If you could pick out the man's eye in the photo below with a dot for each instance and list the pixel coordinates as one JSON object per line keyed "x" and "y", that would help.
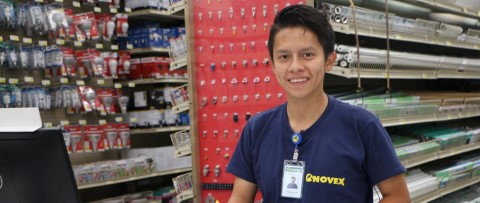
{"x": 308, "y": 55}
{"x": 283, "y": 57}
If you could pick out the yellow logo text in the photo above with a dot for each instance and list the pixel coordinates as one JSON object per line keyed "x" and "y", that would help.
{"x": 310, "y": 178}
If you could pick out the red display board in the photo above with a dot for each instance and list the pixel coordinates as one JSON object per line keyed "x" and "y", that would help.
{"x": 234, "y": 80}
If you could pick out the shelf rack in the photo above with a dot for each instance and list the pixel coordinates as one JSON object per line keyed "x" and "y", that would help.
{"x": 445, "y": 191}
{"x": 402, "y": 74}
{"x": 158, "y": 130}
{"x": 412, "y": 162}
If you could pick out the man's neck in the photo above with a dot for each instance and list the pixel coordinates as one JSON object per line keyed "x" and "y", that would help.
{"x": 304, "y": 113}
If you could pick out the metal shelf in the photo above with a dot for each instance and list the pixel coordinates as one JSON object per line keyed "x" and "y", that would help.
{"x": 149, "y": 50}
{"x": 158, "y": 130}
{"x": 409, "y": 163}
{"x": 445, "y": 191}
{"x": 344, "y": 28}
{"x": 180, "y": 63}
{"x": 451, "y": 8}
{"x": 147, "y": 81}
{"x": 185, "y": 106}
{"x": 174, "y": 12}
{"x": 402, "y": 74}
{"x": 430, "y": 118}
{"x": 150, "y": 175}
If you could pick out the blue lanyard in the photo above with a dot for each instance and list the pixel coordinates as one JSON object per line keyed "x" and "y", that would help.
{"x": 296, "y": 139}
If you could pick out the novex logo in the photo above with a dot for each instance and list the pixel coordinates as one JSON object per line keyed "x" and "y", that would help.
{"x": 310, "y": 178}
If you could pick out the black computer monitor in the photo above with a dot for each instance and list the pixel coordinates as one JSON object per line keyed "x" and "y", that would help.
{"x": 35, "y": 167}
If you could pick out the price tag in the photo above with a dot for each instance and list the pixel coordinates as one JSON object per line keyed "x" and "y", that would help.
{"x": 13, "y": 81}
{"x": 465, "y": 10}
{"x": 102, "y": 122}
{"x": 398, "y": 36}
{"x": 64, "y": 80}
{"x": 133, "y": 120}
{"x": 61, "y": 1}
{"x": 113, "y": 10}
{"x": 82, "y": 122}
{"x": 1, "y": 39}
{"x": 76, "y": 4}
{"x": 3, "y": 80}
{"x": 14, "y": 38}
{"x": 29, "y": 79}
{"x": 129, "y": 46}
{"x": 97, "y": 9}
{"x": 425, "y": 76}
{"x": 60, "y": 42}
{"x": 475, "y": 46}
{"x": 117, "y": 85}
{"x": 450, "y": 117}
{"x": 46, "y": 82}
{"x": 128, "y": 10}
{"x": 39, "y": 1}
{"x": 77, "y": 43}
{"x": 447, "y": 42}
{"x": 99, "y": 46}
{"x": 100, "y": 82}
{"x": 27, "y": 40}
{"x": 131, "y": 84}
{"x": 80, "y": 83}
{"x": 114, "y": 47}
{"x": 47, "y": 125}
{"x": 43, "y": 43}
{"x": 118, "y": 119}
{"x": 64, "y": 123}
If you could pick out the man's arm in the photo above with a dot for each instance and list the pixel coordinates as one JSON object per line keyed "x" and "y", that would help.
{"x": 394, "y": 190}
{"x": 243, "y": 191}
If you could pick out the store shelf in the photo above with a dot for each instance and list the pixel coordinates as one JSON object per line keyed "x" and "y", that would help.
{"x": 181, "y": 107}
{"x": 185, "y": 195}
{"x": 149, "y": 81}
{"x": 344, "y": 28}
{"x": 402, "y": 74}
{"x": 180, "y": 63}
{"x": 445, "y": 191}
{"x": 417, "y": 160}
{"x": 174, "y": 12}
{"x": 158, "y": 130}
{"x": 430, "y": 118}
{"x": 149, "y": 50}
{"x": 451, "y": 8}
{"x": 156, "y": 174}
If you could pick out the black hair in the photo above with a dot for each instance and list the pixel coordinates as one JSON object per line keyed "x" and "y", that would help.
{"x": 305, "y": 17}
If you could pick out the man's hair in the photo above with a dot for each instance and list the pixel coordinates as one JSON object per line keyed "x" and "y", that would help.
{"x": 304, "y": 17}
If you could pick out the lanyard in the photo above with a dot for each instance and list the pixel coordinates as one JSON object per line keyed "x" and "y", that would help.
{"x": 296, "y": 139}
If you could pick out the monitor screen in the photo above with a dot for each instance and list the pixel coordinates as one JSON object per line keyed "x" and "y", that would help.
{"x": 35, "y": 167}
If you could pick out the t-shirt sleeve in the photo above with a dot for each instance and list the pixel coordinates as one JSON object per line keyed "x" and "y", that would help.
{"x": 241, "y": 163}
{"x": 381, "y": 160}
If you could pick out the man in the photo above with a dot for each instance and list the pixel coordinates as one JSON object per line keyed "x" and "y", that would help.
{"x": 292, "y": 184}
{"x": 339, "y": 151}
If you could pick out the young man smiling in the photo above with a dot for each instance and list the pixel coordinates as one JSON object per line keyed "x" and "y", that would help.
{"x": 339, "y": 151}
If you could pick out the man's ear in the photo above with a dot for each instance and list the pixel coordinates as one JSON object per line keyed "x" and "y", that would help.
{"x": 330, "y": 61}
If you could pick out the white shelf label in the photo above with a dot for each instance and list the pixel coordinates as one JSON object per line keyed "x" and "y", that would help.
{"x": 64, "y": 80}
{"x": 129, "y": 46}
{"x": 27, "y": 40}
{"x": 46, "y": 82}
{"x": 80, "y": 83}
{"x": 128, "y": 10}
{"x": 13, "y": 81}
{"x": 61, "y": 1}
{"x": 63, "y": 123}
{"x": 1, "y": 39}
{"x": 3, "y": 80}
{"x": 97, "y": 9}
{"x": 100, "y": 82}
{"x": 60, "y": 42}
{"x": 29, "y": 79}
{"x": 113, "y": 10}
{"x": 117, "y": 85}
{"x": 47, "y": 125}
{"x": 114, "y": 47}
{"x": 133, "y": 120}
{"x": 131, "y": 84}
{"x": 76, "y": 4}
{"x": 102, "y": 122}
{"x": 43, "y": 43}
{"x": 39, "y": 1}
{"x": 99, "y": 46}
{"x": 118, "y": 119}
{"x": 14, "y": 38}
{"x": 77, "y": 43}
{"x": 82, "y": 122}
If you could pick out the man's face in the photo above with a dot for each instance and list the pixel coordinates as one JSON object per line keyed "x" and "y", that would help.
{"x": 293, "y": 180}
{"x": 299, "y": 63}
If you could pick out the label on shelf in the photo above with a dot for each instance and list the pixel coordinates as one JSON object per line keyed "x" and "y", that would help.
{"x": 47, "y": 125}
{"x": 478, "y": 13}
{"x": 46, "y": 82}
{"x": 14, "y": 38}
{"x": 60, "y": 42}
{"x": 80, "y": 83}
{"x": 77, "y": 43}
{"x": 117, "y": 85}
{"x": 97, "y": 9}
{"x": 3, "y": 80}
{"x": 27, "y": 40}
{"x": 131, "y": 84}
{"x": 447, "y": 42}
{"x": 64, "y": 80}
{"x": 114, "y": 47}
{"x": 113, "y": 10}
{"x": 129, "y": 46}
{"x": 128, "y": 10}
{"x": 13, "y": 81}
{"x": 102, "y": 122}
{"x": 39, "y": 1}
{"x": 100, "y": 81}
{"x": 61, "y": 1}
{"x": 133, "y": 120}
{"x": 118, "y": 119}
{"x": 76, "y": 4}
{"x": 42, "y": 43}
{"x": 99, "y": 46}
{"x": 82, "y": 122}
{"x": 29, "y": 79}
{"x": 63, "y": 123}
{"x": 425, "y": 76}
{"x": 1, "y": 39}
{"x": 398, "y": 36}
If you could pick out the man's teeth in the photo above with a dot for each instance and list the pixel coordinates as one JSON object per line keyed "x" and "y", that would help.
{"x": 298, "y": 80}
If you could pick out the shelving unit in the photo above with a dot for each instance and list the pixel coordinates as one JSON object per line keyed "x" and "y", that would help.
{"x": 157, "y": 130}
{"x": 149, "y": 81}
{"x": 445, "y": 191}
{"x": 402, "y": 74}
{"x": 150, "y": 50}
{"x": 430, "y": 118}
{"x": 412, "y": 162}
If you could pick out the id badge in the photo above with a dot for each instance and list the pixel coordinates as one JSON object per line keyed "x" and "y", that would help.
{"x": 292, "y": 179}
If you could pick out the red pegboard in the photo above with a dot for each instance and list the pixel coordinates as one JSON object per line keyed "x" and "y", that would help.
{"x": 223, "y": 89}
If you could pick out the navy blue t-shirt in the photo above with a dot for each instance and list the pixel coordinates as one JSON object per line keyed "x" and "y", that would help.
{"x": 346, "y": 151}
